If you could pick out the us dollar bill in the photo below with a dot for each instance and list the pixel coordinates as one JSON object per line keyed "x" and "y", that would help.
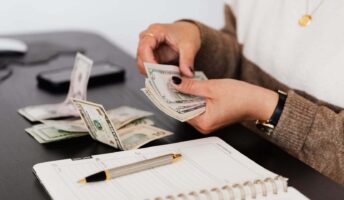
{"x": 160, "y": 77}
{"x": 98, "y": 123}
{"x": 78, "y": 89}
{"x": 67, "y": 125}
{"x": 193, "y": 112}
{"x": 120, "y": 117}
{"x": 138, "y": 122}
{"x": 160, "y": 91}
{"x": 137, "y": 136}
{"x": 124, "y": 115}
{"x": 46, "y": 134}
{"x": 102, "y": 129}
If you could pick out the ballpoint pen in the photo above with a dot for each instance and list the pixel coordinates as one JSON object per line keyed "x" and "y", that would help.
{"x": 132, "y": 168}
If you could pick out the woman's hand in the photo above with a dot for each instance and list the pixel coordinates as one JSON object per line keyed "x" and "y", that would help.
{"x": 228, "y": 101}
{"x": 164, "y": 43}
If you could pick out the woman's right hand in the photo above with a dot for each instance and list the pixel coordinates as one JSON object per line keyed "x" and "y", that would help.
{"x": 164, "y": 43}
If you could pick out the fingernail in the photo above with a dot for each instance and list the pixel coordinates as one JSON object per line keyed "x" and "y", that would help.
{"x": 176, "y": 80}
{"x": 192, "y": 70}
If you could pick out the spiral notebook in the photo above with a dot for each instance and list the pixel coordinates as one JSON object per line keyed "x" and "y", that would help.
{"x": 209, "y": 169}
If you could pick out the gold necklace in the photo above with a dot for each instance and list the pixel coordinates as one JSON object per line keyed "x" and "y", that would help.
{"x": 306, "y": 19}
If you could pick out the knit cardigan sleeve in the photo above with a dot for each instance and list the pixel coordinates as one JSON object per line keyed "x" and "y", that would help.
{"x": 309, "y": 129}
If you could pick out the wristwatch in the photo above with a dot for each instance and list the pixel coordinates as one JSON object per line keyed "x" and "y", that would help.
{"x": 268, "y": 126}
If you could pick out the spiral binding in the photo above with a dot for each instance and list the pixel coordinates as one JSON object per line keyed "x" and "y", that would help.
{"x": 231, "y": 190}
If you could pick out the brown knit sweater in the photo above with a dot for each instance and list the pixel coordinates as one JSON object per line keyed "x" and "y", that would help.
{"x": 309, "y": 129}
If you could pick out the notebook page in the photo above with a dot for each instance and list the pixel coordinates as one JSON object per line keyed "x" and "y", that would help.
{"x": 205, "y": 163}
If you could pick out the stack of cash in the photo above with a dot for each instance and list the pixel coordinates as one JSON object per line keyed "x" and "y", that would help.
{"x": 124, "y": 127}
{"x": 160, "y": 91}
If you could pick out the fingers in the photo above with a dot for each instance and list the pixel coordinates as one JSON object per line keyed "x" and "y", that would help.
{"x": 186, "y": 60}
{"x": 193, "y": 87}
{"x": 145, "y": 52}
{"x": 149, "y": 41}
{"x": 177, "y": 43}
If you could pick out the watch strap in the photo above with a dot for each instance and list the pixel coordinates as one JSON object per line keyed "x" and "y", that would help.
{"x": 268, "y": 126}
{"x": 282, "y": 97}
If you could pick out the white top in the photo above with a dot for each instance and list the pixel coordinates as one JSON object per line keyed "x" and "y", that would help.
{"x": 307, "y": 58}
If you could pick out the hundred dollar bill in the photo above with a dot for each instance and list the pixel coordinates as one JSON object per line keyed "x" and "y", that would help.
{"x": 77, "y": 89}
{"x": 161, "y": 93}
{"x": 137, "y": 136}
{"x": 45, "y": 133}
{"x": 98, "y": 123}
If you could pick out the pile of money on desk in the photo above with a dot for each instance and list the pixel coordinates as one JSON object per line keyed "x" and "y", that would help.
{"x": 160, "y": 91}
{"x": 123, "y": 128}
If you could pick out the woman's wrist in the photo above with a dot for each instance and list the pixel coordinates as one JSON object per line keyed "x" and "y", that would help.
{"x": 263, "y": 103}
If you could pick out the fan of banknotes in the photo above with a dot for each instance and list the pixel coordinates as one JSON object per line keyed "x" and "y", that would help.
{"x": 123, "y": 128}
{"x": 160, "y": 91}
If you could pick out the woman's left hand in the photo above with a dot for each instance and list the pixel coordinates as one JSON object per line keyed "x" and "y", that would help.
{"x": 227, "y": 101}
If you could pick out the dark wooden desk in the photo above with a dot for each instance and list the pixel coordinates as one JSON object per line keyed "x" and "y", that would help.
{"x": 19, "y": 152}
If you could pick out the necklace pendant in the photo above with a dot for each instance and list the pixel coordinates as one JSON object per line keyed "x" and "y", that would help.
{"x": 305, "y": 20}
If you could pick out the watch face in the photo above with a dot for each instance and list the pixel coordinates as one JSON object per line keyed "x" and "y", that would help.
{"x": 265, "y": 127}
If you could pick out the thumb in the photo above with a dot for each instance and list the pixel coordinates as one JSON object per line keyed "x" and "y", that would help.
{"x": 186, "y": 60}
{"x": 190, "y": 86}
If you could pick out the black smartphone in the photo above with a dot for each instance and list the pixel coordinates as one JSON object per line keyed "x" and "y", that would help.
{"x": 57, "y": 81}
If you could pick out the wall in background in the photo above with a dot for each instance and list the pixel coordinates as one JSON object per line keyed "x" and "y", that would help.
{"x": 119, "y": 20}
